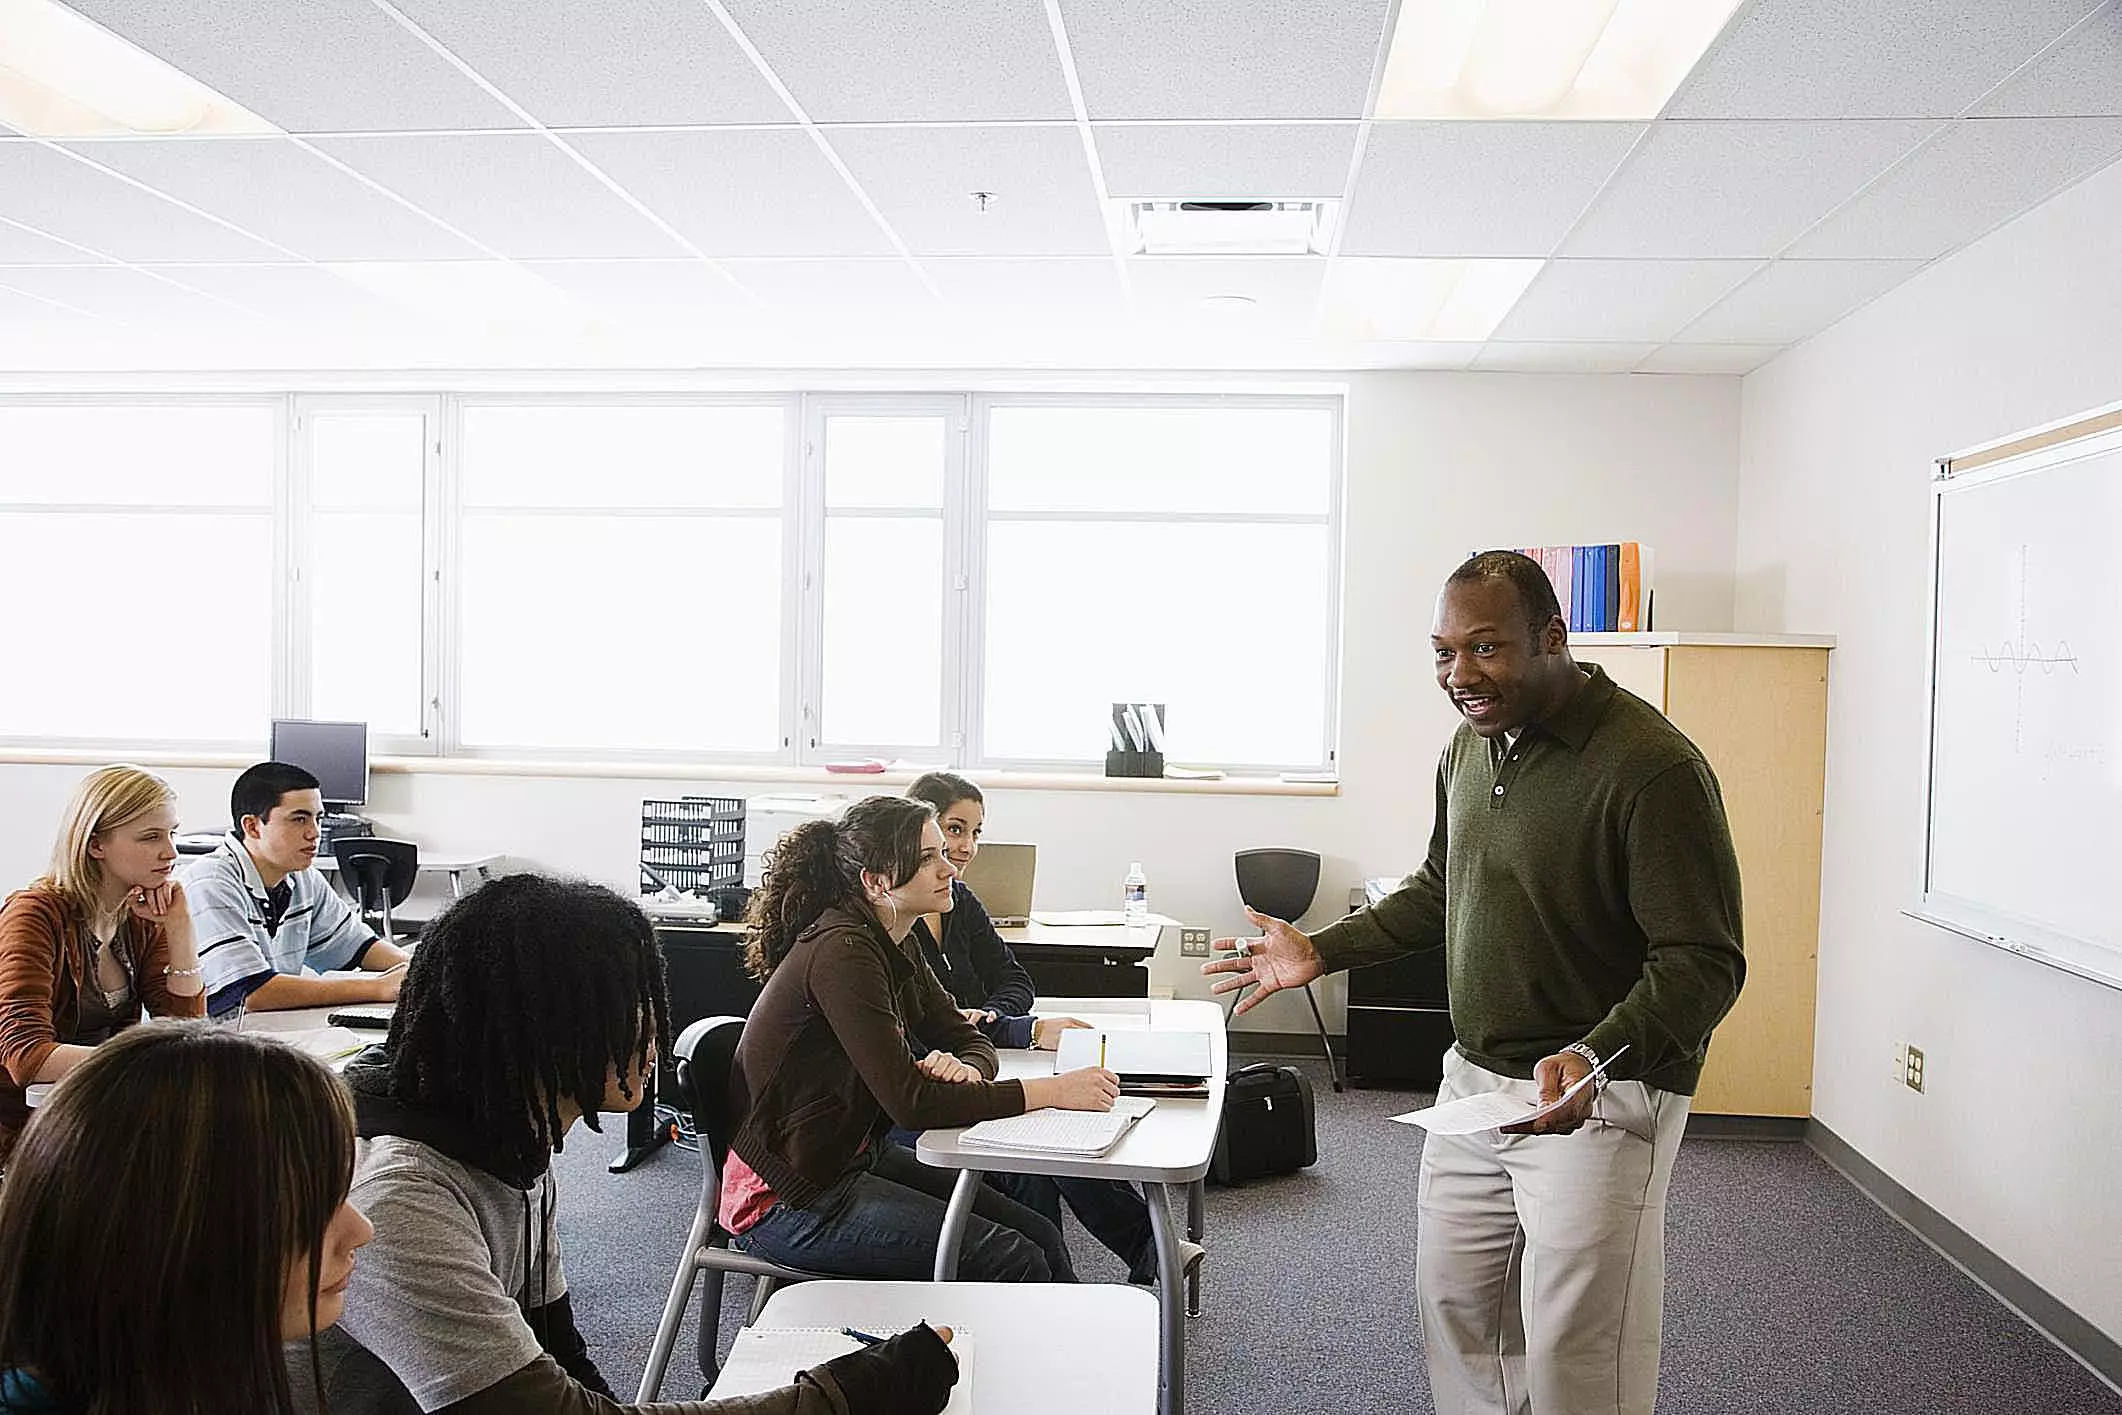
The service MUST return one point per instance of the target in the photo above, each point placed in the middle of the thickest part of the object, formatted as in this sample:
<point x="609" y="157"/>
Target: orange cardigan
<point x="43" y="956"/>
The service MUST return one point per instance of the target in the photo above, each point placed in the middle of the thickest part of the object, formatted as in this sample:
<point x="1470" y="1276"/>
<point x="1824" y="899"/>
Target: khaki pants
<point x="1540" y="1259"/>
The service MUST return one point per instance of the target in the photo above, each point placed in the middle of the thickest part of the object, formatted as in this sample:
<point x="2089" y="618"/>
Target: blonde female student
<point x="103" y="934"/>
<point x="824" y="1069"/>
<point x="175" y="1211"/>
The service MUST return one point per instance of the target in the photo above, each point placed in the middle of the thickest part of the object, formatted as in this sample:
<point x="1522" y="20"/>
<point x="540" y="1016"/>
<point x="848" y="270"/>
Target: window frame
<point x="966" y="527"/>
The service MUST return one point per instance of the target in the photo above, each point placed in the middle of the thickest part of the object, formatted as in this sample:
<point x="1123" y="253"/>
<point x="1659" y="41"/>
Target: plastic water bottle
<point x="1135" y="911"/>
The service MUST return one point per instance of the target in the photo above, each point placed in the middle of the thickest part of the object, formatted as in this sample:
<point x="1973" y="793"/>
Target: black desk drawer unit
<point x="1399" y="1023"/>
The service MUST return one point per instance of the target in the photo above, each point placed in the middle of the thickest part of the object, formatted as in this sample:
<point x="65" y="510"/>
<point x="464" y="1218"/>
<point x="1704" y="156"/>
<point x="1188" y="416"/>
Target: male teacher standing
<point x="1581" y="882"/>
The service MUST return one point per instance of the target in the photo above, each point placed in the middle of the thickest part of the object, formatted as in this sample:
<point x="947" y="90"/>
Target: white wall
<point x="1438" y="464"/>
<point x="2018" y="1136"/>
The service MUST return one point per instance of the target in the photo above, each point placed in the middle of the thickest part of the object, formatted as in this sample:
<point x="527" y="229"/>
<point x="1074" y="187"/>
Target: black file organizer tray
<point x="696" y="843"/>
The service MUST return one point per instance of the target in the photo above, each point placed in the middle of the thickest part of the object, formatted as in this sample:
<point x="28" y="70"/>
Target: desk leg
<point x="1171" y="1343"/>
<point x="1194" y="1229"/>
<point x="644" y="1136"/>
<point x="955" y="1216"/>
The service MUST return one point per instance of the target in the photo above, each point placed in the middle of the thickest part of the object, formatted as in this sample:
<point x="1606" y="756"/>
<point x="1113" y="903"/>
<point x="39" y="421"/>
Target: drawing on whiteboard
<point x="2025" y="656"/>
<point x="2023" y="652"/>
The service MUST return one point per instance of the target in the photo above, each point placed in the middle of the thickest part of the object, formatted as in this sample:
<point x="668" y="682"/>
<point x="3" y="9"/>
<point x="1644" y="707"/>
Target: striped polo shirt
<point x="239" y="951"/>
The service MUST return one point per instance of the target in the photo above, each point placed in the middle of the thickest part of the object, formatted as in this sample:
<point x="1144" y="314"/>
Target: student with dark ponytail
<point x="824" y="1068"/>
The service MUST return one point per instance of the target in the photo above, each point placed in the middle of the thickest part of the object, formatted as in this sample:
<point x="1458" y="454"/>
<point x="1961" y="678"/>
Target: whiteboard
<point x="2023" y="839"/>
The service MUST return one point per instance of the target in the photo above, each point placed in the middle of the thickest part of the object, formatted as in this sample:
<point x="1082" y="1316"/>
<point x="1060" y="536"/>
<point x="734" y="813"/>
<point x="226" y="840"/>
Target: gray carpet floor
<point x="1787" y="1289"/>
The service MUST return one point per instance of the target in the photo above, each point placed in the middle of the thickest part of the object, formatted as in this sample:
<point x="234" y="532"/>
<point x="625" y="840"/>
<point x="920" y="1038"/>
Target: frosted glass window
<point x="883" y="632"/>
<point x="632" y="455"/>
<point x="1154" y="613"/>
<point x="113" y="454"/>
<point x="1237" y="460"/>
<point x="367" y="626"/>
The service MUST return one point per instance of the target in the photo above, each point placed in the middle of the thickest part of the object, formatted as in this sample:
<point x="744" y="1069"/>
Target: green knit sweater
<point x="1583" y="887"/>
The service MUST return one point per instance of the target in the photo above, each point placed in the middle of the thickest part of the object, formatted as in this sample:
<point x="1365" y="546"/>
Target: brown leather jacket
<point x="826" y="1066"/>
<point x="43" y="957"/>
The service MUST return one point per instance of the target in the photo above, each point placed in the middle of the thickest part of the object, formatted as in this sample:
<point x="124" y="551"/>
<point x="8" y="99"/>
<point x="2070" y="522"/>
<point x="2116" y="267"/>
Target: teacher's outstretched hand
<point x="1280" y="958"/>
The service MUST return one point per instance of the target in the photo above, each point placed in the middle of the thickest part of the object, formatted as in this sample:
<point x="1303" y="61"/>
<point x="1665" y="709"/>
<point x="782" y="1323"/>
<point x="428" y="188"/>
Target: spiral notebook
<point x="768" y="1358"/>
<point x="1060" y="1132"/>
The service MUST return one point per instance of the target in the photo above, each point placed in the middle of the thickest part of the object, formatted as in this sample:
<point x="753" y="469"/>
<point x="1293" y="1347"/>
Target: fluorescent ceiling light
<point x="62" y="76"/>
<point x="492" y="295"/>
<point x="1370" y="298"/>
<point x="1544" y="58"/>
<point x="1242" y="226"/>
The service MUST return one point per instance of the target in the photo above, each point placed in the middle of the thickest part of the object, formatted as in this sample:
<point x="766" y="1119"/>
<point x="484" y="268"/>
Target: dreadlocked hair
<point x="818" y="866"/>
<point x="527" y="991"/>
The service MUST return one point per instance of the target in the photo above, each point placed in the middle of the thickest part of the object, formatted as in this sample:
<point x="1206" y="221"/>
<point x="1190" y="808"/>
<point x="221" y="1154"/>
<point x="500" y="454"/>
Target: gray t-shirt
<point x="435" y="1311"/>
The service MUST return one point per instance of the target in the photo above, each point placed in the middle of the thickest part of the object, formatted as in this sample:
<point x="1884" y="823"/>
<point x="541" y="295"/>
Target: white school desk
<point x="455" y="866"/>
<point x="1171" y="1146"/>
<point x="1038" y="1348"/>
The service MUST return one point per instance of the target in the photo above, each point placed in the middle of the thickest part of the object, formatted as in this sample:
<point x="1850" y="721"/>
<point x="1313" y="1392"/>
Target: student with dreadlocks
<point x="824" y="1068"/>
<point x="530" y="1004"/>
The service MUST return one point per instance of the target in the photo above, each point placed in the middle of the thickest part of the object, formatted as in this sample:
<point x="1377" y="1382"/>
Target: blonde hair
<point x="108" y="798"/>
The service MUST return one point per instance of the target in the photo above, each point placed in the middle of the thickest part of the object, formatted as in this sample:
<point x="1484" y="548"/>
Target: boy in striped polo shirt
<point x="263" y="913"/>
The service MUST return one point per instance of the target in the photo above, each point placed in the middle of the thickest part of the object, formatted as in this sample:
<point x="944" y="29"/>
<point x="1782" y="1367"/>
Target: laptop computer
<point x="1002" y="876"/>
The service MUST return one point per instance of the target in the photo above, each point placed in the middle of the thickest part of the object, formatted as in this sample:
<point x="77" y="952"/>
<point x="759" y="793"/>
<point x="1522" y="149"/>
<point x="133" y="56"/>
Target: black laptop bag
<point x="1267" y="1124"/>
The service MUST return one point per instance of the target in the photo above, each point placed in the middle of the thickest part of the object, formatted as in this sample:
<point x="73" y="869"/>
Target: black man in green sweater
<point x="1581" y="882"/>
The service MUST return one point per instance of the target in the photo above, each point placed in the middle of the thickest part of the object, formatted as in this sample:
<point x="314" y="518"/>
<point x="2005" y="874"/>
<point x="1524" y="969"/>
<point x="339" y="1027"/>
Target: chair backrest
<point x="377" y="869"/>
<point x="1278" y="882"/>
<point x="704" y="1054"/>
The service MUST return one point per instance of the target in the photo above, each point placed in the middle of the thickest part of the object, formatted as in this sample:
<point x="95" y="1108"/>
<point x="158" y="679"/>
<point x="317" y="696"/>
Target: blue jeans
<point x="883" y="1218"/>
<point x="1110" y="1209"/>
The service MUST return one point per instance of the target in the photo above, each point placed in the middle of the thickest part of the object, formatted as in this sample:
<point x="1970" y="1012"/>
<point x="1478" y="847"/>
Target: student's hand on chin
<point x="156" y="902"/>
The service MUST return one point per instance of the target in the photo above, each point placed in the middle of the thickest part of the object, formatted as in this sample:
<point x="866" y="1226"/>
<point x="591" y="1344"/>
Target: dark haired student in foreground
<point x="530" y="1004"/>
<point x="175" y="1211"/>
<point x="823" y="1070"/>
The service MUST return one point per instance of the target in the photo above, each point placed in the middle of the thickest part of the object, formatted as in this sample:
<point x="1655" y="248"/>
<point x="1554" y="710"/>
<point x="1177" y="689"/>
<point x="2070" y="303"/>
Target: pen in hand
<point x="862" y="1336"/>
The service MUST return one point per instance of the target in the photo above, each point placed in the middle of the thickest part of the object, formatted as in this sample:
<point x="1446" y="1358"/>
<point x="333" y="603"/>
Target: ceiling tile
<point x="44" y="188"/>
<point x="1225" y="159"/>
<point x="1235" y="59"/>
<point x="274" y="187"/>
<point x="1792" y="299"/>
<point x="1034" y="292"/>
<point x="922" y="179"/>
<point x="1834" y="59"/>
<point x="1709" y="358"/>
<point x="911" y="60"/>
<point x="18" y="247"/>
<point x="1979" y="173"/>
<point x="1404" y="354"/>
<point x="1735" y="189"/>
<point x="740" y="192"/>
<point x="299" y="294"/>
<point x="515" y="192"/>
<point x="127" y="296"/>
<point x="1501" y="357"/>
<point x="1284" y="291"/>
<point x="859" y="292"/>
<point x="1618" y="301"/>
<point x="643" y="62"/>
<point x="2081" y="77"/>
<point x="1436" y="189"/>
<point x="323" y="66"/>
<point x="649" y="292"/>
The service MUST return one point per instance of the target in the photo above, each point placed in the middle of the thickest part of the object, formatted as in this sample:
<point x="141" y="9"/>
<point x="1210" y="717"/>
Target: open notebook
<point x="767" y="1358"/>
<point x="1060" y="1132"/>
<point x="1173" y="1058"/>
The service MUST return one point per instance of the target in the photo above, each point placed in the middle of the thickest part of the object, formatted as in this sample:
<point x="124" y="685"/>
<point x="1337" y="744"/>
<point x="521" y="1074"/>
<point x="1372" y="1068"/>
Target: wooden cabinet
<point x="1757" y="707"/>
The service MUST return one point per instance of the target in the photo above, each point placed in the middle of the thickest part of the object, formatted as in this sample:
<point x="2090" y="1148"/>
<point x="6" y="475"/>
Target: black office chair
<point x="703" y="1054"/>
<point x="379" y="873"/>
<point x="1281" y="884"/>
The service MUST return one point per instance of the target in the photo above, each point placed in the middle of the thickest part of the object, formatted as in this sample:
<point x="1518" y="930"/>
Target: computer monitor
<point x="336" y="753"/>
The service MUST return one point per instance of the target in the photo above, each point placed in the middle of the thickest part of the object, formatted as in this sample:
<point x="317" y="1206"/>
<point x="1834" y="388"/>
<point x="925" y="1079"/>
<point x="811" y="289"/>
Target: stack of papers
<point x="1492" y="1110"/>
<point x="768" y="1358"/>
<point x="1060" y="1132"/>
<point x="1147" y="1062"/>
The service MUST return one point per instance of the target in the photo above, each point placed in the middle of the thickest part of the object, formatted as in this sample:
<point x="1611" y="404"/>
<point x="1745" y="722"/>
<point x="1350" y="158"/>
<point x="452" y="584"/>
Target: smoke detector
<point x="1248" y="226"/>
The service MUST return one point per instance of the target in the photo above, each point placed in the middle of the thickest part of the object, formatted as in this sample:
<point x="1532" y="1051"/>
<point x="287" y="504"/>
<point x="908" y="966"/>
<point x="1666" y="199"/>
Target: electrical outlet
<point x="1901" y="1063"/>
<point x="1193" y="942"/>
<point x="1914" y="1074"/>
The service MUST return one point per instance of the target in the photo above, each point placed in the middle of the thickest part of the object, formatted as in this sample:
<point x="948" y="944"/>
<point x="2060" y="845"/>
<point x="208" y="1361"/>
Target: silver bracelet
<point x="170" y="972"/>
<point x="1591" y="1059"/>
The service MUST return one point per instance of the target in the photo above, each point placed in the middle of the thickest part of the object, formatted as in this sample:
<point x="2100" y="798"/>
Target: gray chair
<point x="1281" y="884"/>
<point x="703" y="1055"/>
<point x="379" y="873"/>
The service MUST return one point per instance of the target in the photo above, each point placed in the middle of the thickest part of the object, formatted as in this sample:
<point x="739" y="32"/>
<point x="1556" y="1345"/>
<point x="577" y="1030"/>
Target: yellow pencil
<point x="1101" y="1051"/>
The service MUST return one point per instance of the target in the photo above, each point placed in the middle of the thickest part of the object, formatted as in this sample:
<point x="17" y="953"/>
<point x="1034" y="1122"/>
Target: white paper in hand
<point x="1492" y="1110"/>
